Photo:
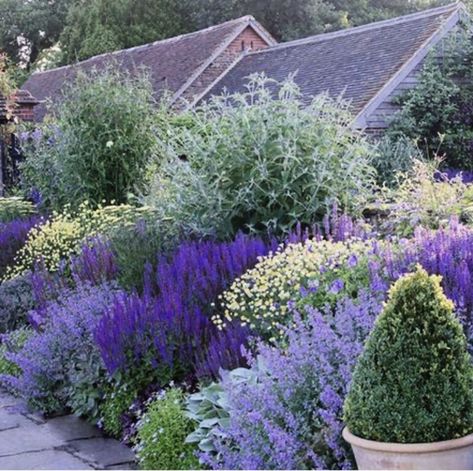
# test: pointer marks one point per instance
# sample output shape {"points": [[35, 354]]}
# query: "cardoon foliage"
{"points": [[291, 418], [167, 331], [60, 359], [13, 236]]}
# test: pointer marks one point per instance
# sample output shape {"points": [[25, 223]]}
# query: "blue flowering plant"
{"points": [[291, 416]]}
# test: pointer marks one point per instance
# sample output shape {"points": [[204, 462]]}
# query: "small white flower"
{"points": [[109, 144]]}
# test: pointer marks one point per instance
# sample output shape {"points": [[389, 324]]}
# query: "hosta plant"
{"points": [[414, 381]]}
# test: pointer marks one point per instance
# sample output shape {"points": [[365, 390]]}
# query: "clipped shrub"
{"points": [[414, 381], [265, 167], [13, 236], [16, 300], [60, 360], [259, 298], [97, 142], [15, 208], [162, 433], [291, 416], [53, 243]]}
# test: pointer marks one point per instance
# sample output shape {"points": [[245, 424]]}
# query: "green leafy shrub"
{"points": [[162, 433], [134, 247], [425, 198], [263, 167], [12, 343], [414, 380], [15, 208], [16, 299], [64, 233], [438, 111], [395, 155], [117, 398], [97, 142]]}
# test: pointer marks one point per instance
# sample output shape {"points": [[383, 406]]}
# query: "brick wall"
{"points": [[247, 40]]}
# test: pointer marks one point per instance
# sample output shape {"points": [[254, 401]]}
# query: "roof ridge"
{"points": [[452, 7], [242, 19]]}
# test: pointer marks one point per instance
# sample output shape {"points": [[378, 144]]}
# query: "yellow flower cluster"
{"points": [[259, 297], [15, 208], [62, 236]]}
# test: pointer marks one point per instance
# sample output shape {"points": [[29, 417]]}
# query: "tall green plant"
{"points": [[438, 112], [262, 161], [414, 381], [97, 142]]}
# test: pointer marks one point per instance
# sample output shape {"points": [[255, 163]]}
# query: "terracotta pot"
{"points": [[449, 454]]}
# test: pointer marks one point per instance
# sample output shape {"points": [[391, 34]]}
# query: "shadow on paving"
{"points": [[29, 441]]}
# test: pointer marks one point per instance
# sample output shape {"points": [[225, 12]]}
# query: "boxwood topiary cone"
{"points": [[414, 381]]}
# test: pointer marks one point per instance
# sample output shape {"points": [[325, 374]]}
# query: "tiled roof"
{"points": [[170, 62], [355, 62]]}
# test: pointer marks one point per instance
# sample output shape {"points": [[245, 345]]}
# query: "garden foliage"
{"points": [[59, 363], [62, 236], [438, 112], [13, 236], [97, 142], [162, 432], [16, 300], [291, 416], [262, 163], [15, 208], [260, 297], [414, 381]]}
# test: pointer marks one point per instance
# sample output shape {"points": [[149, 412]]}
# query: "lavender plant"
{"points": [[13, 236], [291, 417], [60, 360]]}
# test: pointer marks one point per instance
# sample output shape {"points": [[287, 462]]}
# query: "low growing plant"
{"points": [[290, 417], [162, 433], [15, 208], [16, 300], [61, 357], [323, 269], [61, 237], [414, 381]]}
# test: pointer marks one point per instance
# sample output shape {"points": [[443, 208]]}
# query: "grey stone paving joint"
{"points": [[29, 441]]}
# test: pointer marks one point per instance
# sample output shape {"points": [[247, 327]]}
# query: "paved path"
{"points": [[28, 441]]}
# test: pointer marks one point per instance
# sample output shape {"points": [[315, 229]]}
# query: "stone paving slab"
{"points": [[30, 441], [102, 451], [69, 428], [47, 459]]}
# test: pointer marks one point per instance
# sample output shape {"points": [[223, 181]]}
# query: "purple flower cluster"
{"points": [[291, 418], [447, 252], [61, 350], [13, 236], [167, 331], [95, 264]]}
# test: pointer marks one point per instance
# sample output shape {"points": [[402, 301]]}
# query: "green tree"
{"points": [[96, 26], [29, 26]]}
